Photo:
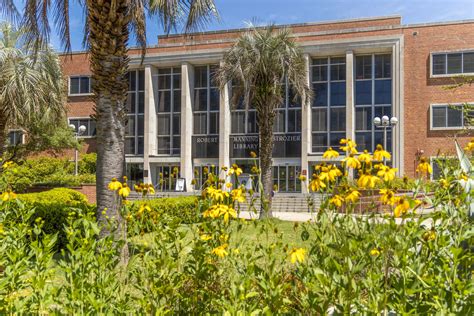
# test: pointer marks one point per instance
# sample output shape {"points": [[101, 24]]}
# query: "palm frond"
{"points": [[138, 23], [9, 10]]}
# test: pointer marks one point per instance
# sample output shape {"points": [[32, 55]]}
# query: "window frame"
{"points": [[14, 131], [452, 128], [136, 114], [79, 94], [446, 53], [208, 112], [83, 118]]}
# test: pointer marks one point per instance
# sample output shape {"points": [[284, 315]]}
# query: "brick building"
{"points": [[359, 69]]}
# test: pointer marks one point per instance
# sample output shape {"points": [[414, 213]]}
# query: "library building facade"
{"points": [[180, 125]]}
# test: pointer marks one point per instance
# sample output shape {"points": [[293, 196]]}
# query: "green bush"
{"points": [[54, 207]]}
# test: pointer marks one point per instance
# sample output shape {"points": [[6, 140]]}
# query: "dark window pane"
{"points": [[200, 77], [338, 119], [320, 73], [141, 80], [200, 123], [164, 145], [383, 66], [140, 145], [379, 140], [131, 101], [164, 124], [439, 116], [164, 101], [363, 119], [74, 85], [383, 91], [279, 124], [238, 122], [319, 120], [363, 92], [294, 121], [320, 94], [200, 100], [164, 71], [338, 72], [439, 64], [176, 150], [320, 61], [454, 117], [213, 123], [176, 101], [364, 67], [140, 125], [335, 138], [338, 93], [130, 127], [380, 111], [468, 63], [454, 63], [164, 82], [214, 100], [141, 102], [92, 128], [320, 142], [132, 81], [85, 85], [130, 145], [252, 122], [176, 81], [176, 124], [364, 141]]}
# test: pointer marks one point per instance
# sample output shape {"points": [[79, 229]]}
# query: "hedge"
{"points": [[54, 207]]}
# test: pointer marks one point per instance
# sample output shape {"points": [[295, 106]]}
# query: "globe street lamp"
{"points": [[82, 129], [385, 122]]}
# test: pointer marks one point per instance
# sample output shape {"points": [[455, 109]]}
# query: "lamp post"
{"points": [[81, 130], [385, 122]]}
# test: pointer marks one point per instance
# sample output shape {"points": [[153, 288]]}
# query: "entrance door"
{"points": [[286, 178], [166, 177]]}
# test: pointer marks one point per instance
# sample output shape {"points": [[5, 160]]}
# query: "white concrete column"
{"points": [[187, 92], [350, 109], [224, 127], [150, 137], [306, 139], [398, 139]]}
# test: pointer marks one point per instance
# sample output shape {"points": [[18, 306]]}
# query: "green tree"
{"points": [[258, 64], [32, 94], [108, 25]]}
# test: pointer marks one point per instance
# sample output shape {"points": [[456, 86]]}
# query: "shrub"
{"points": [[54, 207]]}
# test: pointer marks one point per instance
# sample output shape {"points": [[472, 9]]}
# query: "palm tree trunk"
{"points": [[3, 135], [108, 26], [266, 119]]}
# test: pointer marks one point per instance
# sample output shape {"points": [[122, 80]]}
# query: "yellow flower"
{"points": [[144, 207], [220, 251], [206, 237], [429, 235], [330, 153], [237, 195], [234, 170], [253, 154], [124, 191], [352, 162], [402, 206], [424, 167], [367, 181], [444, 183], [349, 146], [297, 255], [387, 196], [365, 157], [219, 210], [8, 196], [7, 164], [380, 153], [115, 185], [374, 252], [385, 172], [317, 184], [336, 200], [353, 196], [217, 194], [470, 146], [302, 178]]}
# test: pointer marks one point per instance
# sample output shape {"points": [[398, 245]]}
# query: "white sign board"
{"points": [[180, 184]]}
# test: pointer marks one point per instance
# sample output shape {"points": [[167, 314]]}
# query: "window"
{"points": [[168, 111], [206, 101], [450, 116], [243, 121], [329, 104], [79, 85], [452, 63], [88, 122], [15, 137], [135, 129], [373, 97]]}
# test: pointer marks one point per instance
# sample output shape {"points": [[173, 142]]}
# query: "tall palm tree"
{"points": [[108, 25], [257, 65], [32, 88]]}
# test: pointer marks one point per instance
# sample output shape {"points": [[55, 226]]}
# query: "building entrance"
{"points": [[286, 178]]}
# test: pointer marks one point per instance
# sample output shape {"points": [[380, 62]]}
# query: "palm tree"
{"points": [[257, 65], [108, 25], [32, 88]]}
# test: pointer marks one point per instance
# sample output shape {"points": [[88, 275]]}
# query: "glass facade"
{"points": [[166, 176], [373, 98], [168, 111], [329, 103], [135, 127]]}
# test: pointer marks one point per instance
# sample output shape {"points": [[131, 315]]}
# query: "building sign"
{"points": [[205, 147], [180, 185], [284, 146]]}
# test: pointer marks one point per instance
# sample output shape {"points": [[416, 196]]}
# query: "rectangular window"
{"points": [[79, 85], [206, 101], [373, 98], [135, 128], [89, 124], [449, 117], [329, 104], [15, 137], [168, 110], [455, 63]]}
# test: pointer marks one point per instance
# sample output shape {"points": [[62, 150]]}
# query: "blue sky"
{"points": [[235, 13]]}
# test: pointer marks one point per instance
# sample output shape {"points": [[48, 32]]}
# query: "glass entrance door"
{"points": [[166, 177], [286, 178]]}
